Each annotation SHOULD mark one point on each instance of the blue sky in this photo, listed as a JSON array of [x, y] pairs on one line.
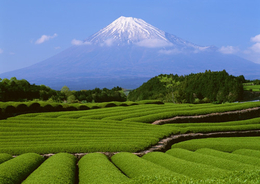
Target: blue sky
[[31, 31]]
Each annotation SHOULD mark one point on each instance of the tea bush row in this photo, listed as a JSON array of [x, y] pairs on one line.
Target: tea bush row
[[51, 136], [58, 169], [192, 112], [201, 157], [155, 167], [228, 144], [96, 168], [17, 169], [27, 107], [147, 113], [248, 152], [230, 156], [185, 167], [134, 166], [4, 157]]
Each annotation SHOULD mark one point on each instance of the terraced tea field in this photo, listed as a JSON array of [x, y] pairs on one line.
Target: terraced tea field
[[129, 129]]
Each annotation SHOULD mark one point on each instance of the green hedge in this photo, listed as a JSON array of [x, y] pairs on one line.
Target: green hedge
[[58, 169], [96, 168], [230, 156], [181, 166], [208, 159], [17, 169], [4, 157], [228, 144], [134, 166], [236, 177], [248, 152], [42, 106]]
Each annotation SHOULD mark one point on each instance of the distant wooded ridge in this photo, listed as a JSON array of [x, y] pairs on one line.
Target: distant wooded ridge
[[22, 90], [207, 87], [214, 87]]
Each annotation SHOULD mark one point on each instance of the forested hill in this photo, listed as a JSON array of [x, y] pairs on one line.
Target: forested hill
[[204, 87], [22, 90]]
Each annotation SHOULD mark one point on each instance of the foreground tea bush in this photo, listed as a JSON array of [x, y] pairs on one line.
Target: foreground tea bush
[[96, 168], [237, 177], [17, 169], [4, 157], [248, 152], [231, 156], [190, 169], [134, 166], [58, 169], [208, 159]]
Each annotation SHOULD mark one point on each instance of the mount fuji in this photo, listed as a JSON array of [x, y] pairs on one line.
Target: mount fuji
[[127, 53]]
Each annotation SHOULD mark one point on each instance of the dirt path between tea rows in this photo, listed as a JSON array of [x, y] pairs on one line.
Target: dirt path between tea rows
[[166, 143], [213, 117]]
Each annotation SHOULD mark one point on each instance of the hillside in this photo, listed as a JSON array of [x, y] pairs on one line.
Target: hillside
[[204, 87]]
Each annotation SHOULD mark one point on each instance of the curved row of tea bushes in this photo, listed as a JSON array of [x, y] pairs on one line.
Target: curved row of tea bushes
[[209, 159], [26, 107], [53, 135], [223, 124], [230, 156], [14, 171], [4, 157], [237, 177], [151, 112], [148, 110], [248, 152], [191, 112], [134, 166], [58, 169], [219, 128], [229, 144], [181, 166], [96, 168]]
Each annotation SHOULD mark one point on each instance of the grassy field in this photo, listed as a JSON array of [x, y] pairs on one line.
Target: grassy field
[[252, 87]]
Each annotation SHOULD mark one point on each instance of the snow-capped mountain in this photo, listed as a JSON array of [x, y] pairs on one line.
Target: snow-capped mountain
[[129, 30], [126, 53]]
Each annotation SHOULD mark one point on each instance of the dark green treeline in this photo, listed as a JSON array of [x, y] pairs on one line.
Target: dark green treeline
[[214, 87]]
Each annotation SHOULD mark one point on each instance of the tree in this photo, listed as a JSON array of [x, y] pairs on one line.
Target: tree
[[65, 90]]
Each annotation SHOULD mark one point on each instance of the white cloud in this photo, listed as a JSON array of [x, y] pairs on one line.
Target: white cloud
[[228, 50], [256, 39], [256, 47], [171, 51], [109, 42], [79, 42], [154, 43], [45, 38], [56, 48], [1, 51], [11, 53]]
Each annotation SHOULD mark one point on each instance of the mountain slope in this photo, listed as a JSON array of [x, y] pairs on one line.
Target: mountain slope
[[128, 52]]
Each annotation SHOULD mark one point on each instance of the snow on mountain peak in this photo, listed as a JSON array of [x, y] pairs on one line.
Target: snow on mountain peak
[[130, 30]]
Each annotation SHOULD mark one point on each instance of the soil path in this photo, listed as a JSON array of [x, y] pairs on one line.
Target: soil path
[[166, 143], [214, 117]]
